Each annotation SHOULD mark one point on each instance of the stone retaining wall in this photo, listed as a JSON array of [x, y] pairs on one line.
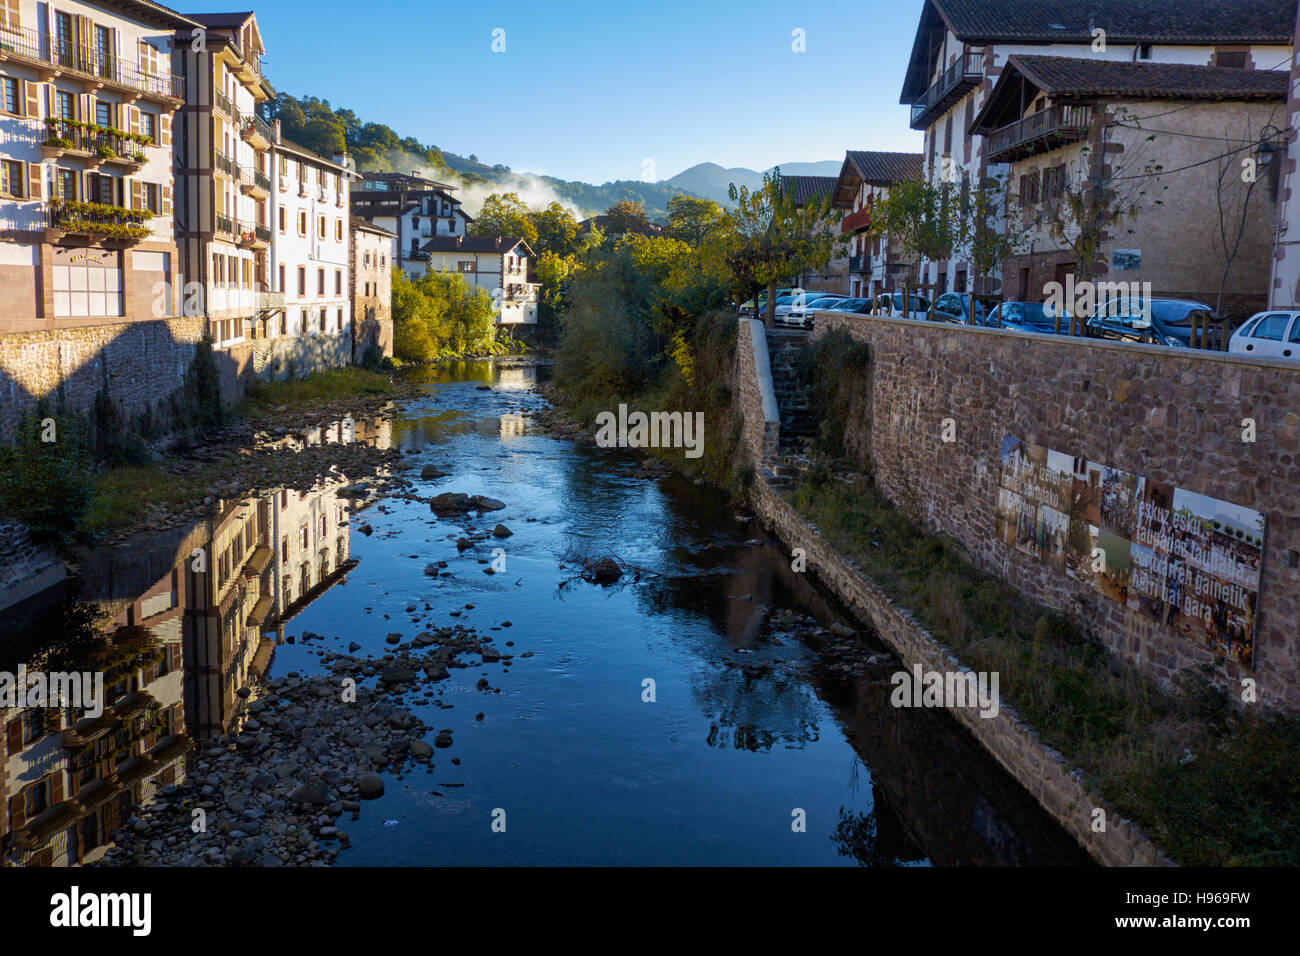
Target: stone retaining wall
[[1016, 746], [1172, 415]]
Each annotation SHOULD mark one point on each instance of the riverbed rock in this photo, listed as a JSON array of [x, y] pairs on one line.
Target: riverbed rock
[[432, 471], [313, 793], [370, 786], [501, 531]]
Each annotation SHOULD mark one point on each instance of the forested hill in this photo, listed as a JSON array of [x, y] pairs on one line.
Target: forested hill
[[317, 125]]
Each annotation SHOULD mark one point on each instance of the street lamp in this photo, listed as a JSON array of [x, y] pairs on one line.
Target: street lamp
[[1269, 143]]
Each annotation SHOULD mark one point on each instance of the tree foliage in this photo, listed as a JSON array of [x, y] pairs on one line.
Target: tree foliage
[[440, 315]]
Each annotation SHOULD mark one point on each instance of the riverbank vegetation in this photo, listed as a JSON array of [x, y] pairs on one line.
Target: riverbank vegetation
[[1212, 783], [647, 317]]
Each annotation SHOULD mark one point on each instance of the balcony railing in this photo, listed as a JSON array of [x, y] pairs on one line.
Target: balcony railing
[[254, 130], [94, 141], [262, 233], [225, 224], [1042, 130], [966, 72], [97, 220], [226, 165], [63, 55], [859, 263], [223, 103]]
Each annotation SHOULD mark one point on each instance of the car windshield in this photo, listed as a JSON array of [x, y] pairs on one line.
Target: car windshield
[[848, 305]]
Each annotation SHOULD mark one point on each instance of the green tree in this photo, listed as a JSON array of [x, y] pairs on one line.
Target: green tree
[[691, 218], [557, 231], [771, 238], [505, 214], [626, 216]]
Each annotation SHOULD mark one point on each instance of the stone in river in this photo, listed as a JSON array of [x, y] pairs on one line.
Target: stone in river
[[432, 471], [370, 786], [313, 792], [501, 531]]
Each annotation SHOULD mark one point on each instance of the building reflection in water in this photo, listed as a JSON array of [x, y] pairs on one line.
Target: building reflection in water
[[176, 626]]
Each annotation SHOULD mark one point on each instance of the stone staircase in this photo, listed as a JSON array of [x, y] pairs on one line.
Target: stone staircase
[[798, 427]]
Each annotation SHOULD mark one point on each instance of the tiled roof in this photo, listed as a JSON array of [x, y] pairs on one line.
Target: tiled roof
[[221, 21], [1152, 21], [884, 168], [359, 223], [1070, 76], [806, 188], [1169, 22], [473, 244]]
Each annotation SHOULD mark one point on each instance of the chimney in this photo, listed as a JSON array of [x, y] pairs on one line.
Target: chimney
[[498, 242]]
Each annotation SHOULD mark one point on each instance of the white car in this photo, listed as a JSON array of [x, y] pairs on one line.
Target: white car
[[799, 315], [1274, 334], [891, 303]]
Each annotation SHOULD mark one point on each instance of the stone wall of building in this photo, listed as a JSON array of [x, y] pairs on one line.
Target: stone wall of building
[[140, 364], [1171, 415]]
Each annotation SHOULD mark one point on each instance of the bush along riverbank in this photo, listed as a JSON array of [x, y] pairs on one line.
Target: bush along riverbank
[[1212, 783]]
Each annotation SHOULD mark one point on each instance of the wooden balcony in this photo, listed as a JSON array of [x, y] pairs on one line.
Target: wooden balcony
[[94, 144], [1039, 132], [857, 221], [54, 56], [963, 75]]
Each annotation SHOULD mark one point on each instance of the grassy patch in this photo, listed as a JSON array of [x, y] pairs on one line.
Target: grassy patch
[[327, 386], [1236, 802], [123, 494]]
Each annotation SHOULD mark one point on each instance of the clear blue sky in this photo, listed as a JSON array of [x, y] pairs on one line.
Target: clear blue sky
[[590, 89]]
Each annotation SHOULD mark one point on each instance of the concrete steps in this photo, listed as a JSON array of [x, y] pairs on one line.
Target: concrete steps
[[798, 428]]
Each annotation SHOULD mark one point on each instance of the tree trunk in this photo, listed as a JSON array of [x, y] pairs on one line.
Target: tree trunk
[[769, 320]]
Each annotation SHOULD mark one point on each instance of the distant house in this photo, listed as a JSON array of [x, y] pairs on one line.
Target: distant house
[[498, 265], [413, 208], [875, 263], [831, 276], [372, 288], [1059, 123]]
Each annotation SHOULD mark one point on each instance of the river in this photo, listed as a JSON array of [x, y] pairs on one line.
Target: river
[[676, 717]]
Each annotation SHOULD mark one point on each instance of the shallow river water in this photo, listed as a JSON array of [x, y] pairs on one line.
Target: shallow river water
[[745, 736]]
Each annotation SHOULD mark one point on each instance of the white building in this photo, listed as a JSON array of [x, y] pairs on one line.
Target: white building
[[413, 208], [312, 242], [875, 262]]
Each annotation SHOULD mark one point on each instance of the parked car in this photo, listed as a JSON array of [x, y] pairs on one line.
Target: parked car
[[1274, 334], [758, 305], [956, 306], [799, 314], [918, 305], [1026, 317], [860, 306], [1150, 322]]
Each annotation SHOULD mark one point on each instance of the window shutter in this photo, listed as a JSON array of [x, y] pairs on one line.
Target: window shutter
[[54, 720], [166, 200], [17, 816], [35, 186], [133, 120], [137, 194], [33, 99], [14, 733], [56, 787], [12, 20], [164, 130]]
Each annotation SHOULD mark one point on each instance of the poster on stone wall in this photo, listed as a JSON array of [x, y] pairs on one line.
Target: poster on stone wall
[[1186, 560]]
